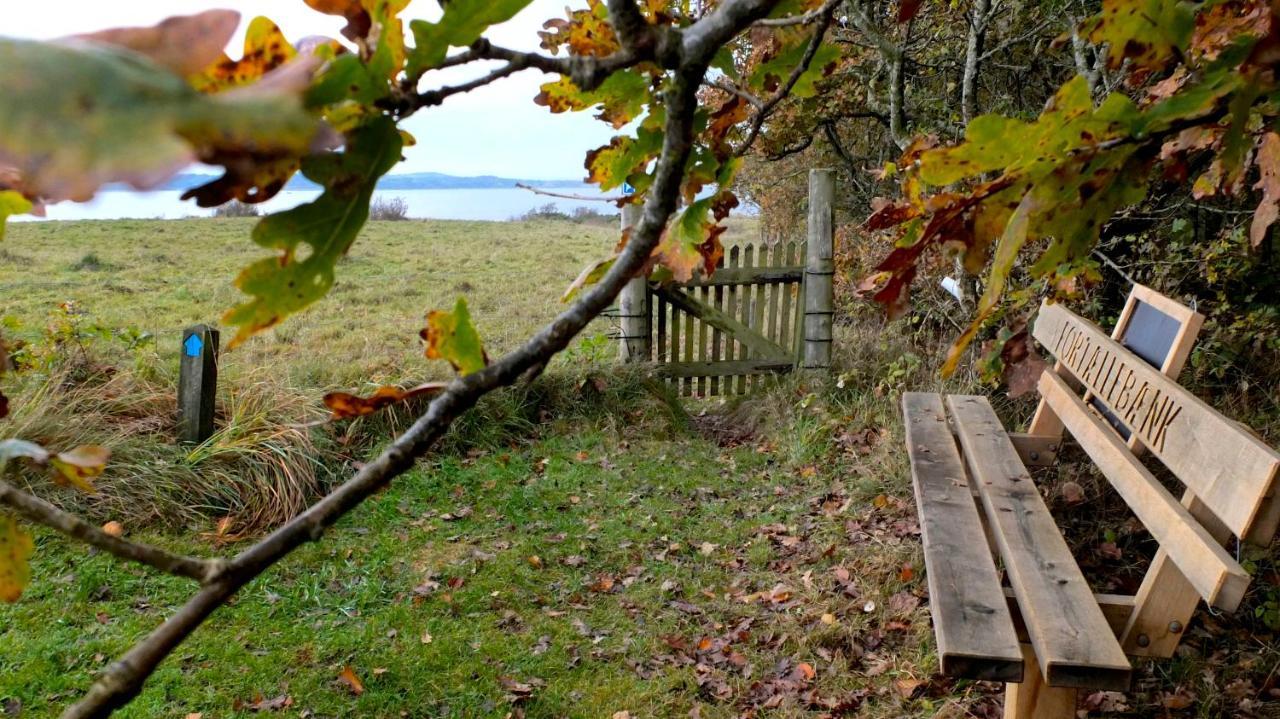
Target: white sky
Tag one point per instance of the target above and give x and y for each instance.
(496, 130)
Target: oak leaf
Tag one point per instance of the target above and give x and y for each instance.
(452, 337)
(16, 548)
(183, 45)
(1268, 161)
(345, 406)
(347, 678)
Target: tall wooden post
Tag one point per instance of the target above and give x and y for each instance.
(819, 269)
(197, 383)
(633, 305)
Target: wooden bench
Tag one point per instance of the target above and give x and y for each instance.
(1047, 634)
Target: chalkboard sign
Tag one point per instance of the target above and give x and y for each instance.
(1150, 334)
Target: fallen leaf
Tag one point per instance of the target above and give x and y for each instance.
(348, 679)
(345, 406)
(1071, 493)
(113, 529)
(906, 688)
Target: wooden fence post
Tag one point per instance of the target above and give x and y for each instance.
(197, 383)
(819, 269)
(633, 305)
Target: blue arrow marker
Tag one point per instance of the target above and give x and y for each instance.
(627, 189)
(193, 344)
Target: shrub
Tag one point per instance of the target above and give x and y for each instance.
(549, 211)
(590, 215)
(393, 209)
(236, 208)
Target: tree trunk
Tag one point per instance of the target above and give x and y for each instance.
(979, 16)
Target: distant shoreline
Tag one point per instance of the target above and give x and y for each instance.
(407, 181)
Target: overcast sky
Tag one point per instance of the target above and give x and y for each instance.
(496, 130)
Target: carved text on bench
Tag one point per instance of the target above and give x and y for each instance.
(1143, 408)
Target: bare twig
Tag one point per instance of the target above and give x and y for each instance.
(570, 195)
(723, 84)
(804, 19)
(697, 44)
(41, 512)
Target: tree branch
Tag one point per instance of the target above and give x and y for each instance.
(41, 512)
(814, 43)
(123, 679)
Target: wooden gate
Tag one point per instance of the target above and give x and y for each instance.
(765, 311)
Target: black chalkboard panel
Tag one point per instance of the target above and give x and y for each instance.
(1150, 335)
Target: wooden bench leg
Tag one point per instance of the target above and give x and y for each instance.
(1033, 699)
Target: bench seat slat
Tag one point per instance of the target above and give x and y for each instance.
(974, 629)
(1073, 642)
(1219, 579)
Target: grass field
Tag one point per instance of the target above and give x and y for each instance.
(160, 276)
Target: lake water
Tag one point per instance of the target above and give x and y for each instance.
(472, 204)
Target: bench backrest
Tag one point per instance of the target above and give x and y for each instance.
(1133, 402)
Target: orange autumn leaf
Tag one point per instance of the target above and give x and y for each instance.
(352, 682)
(345, 406)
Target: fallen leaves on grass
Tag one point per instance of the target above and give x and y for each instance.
(264, 704)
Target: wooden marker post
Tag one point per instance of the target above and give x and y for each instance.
(819, 269)
(197, 383)
(633, 305)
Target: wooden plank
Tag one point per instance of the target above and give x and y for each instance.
(725, 276)
(688, 351)
(1166, 599)
(676, 317)
(1073, 642)
(703, 294)
(731, 310)
(1036, 450)
(717, 336)
(759, 302)
(724, 368)
(1218, 578)
(1034, 699)
(774, 289)
(971, 621)
(785, 335)
(1116, 609)
(662, 311)
(1225, 465)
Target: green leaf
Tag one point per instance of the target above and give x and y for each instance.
(621, 97)
(463, 23)
(76, 116)
(615, 163)
(12, 203)
(1147, 33)
(451, 336)
(283, 285)
(780, 67)
(16, 549)
(590, 275)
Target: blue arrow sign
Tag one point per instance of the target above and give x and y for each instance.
(627, 189)
(193, 344)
